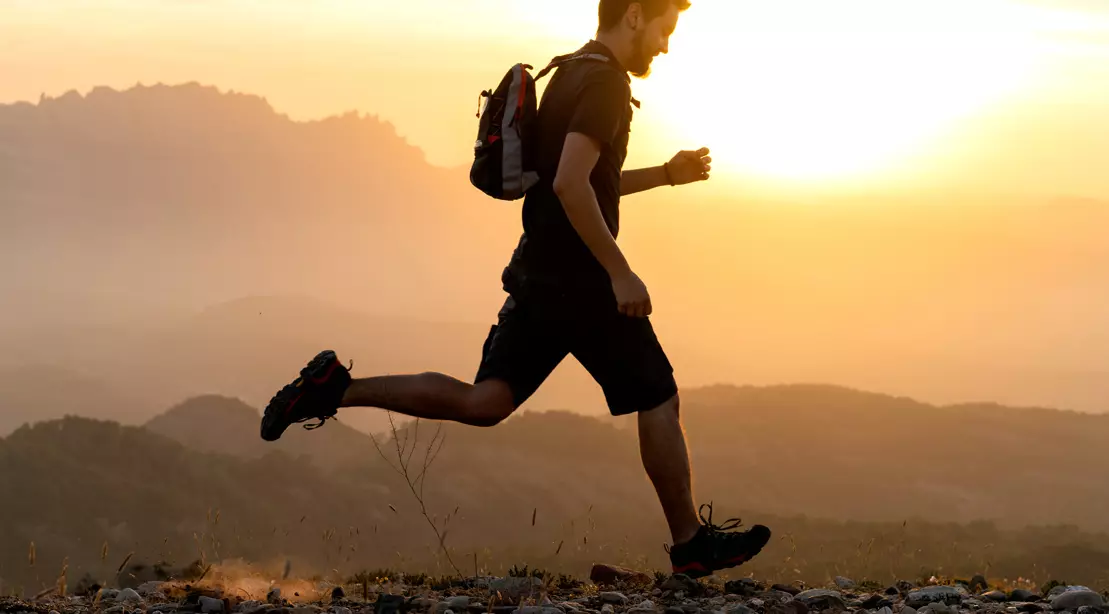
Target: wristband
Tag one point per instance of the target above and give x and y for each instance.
(666, 169)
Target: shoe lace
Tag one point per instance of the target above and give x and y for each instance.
(728, 527)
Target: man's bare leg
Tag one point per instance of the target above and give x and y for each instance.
(662, 446)
(433, 396)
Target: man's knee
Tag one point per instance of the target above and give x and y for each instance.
(490, 403)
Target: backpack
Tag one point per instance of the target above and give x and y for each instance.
(504, 164)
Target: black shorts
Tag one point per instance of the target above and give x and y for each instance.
(620, 352)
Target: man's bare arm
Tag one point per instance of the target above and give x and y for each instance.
(571, 184)
(642, 179)
(685, 167)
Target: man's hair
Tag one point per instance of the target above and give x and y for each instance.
(611, 11)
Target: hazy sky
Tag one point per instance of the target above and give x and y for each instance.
(983, 93)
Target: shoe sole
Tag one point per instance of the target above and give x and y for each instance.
(317, 370)
(695, 570)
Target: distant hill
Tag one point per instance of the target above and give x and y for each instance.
(819, 450)
(917, 486)
(38, 392)
(138, 222)
(223, 425)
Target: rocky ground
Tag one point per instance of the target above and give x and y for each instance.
(610, 590)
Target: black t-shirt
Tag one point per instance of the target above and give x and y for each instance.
(551, 260)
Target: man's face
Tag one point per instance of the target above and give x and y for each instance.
(652, 39)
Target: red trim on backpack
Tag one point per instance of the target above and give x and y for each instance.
(523, 91)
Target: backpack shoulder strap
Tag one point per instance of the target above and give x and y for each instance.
(570, 57)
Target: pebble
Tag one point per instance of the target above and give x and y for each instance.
(821, 598)
(342, 611)
(274, 596)
(460, 602)
(210, 606)
(739, 608)
(614, 597)
(607, 609)
(1022, 594)
(995, 596)
(1072, 600)
(515, 588)
(845, 583)
(946, 594)
(128, 595)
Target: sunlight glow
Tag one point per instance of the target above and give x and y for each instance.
(809, 90)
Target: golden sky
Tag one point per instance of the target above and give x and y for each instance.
(983, 94)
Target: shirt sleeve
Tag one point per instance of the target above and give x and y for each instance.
(602, 103)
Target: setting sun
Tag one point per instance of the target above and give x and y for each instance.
(800, 91)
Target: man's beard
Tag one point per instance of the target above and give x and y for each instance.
(641, 64)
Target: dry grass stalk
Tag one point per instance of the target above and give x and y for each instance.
(403, 467)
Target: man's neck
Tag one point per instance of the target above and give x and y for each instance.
(619, 48)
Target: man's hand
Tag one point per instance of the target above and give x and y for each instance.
(631, 295)
(689, 166)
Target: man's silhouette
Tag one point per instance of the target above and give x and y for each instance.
(570, 291)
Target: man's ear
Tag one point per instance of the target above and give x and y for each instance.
(634, 16)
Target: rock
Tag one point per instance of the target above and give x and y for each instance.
(611, 574)
(893, 590)
(389, 604)
(1091, 609)
(743, 586)
(934, 594)
(208, 605)
(515, 588)
(274, 596)
(997, 596)
(885, 610)
(248, 606)
(1031, 607)
(785, 588)
(343, 611)
(614, 597)
(821, 599)
(739, 608)
(776, 595)
(795, 607)
(539, 609)
(147, 588)
(128, 595)
(674, 610)
(644, 606)
(1056, 591)
(338, 593)
(870, 602)
(607, 609)
(1022, 594)
(108, 594)
(845, 583)
(681, 582)
(937, 607)
(978, 583)
(904, 586)
(908, 610)
(460, 602)
(1074, 599)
